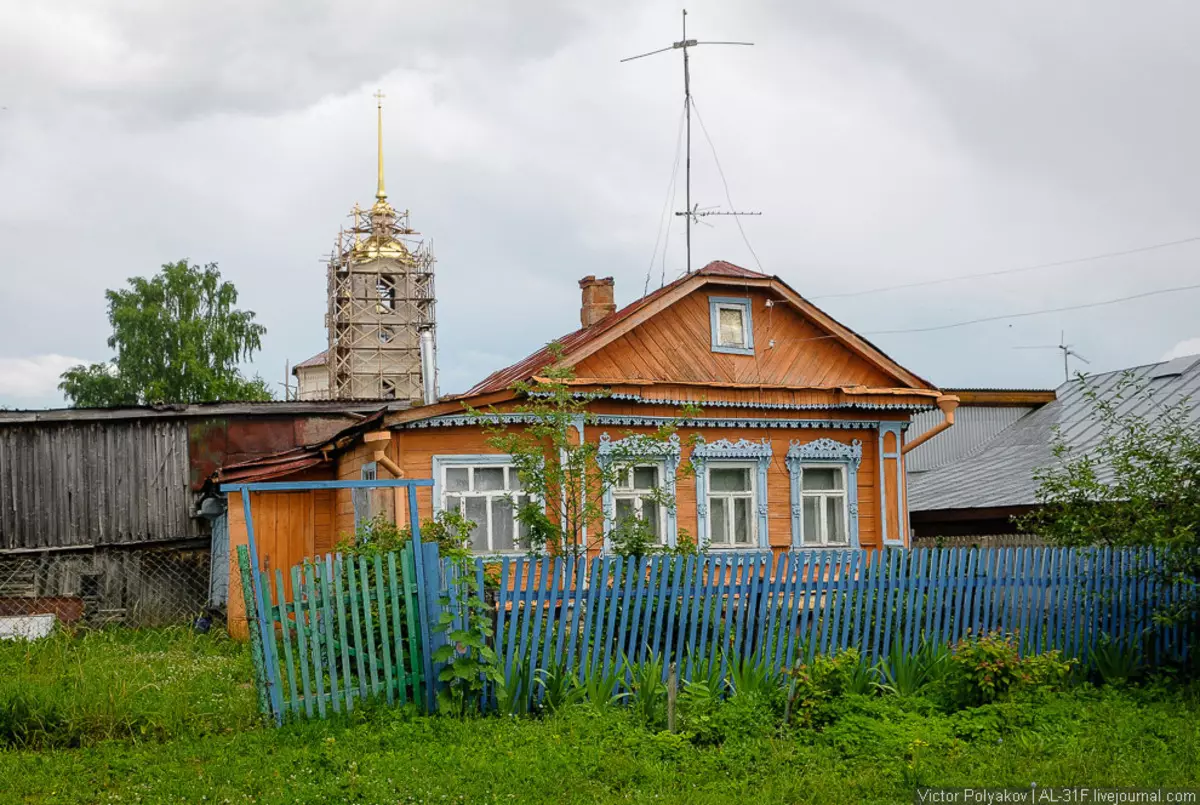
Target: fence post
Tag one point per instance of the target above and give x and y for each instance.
(427, 598)
(252, 618)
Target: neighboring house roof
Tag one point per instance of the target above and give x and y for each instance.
(973, 426)
(319, 359)
(586, 340)
(267, 408)
(1000, 472)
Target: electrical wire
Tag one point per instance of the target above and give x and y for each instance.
(1028, 313)
(728, 200)
(662, 218)
(1019, 269)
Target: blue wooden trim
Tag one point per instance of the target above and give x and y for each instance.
(268, 640)
(299, 486)
(743, 451)
(897, 428)
(714, 323)
(641, 449)
(832, 453)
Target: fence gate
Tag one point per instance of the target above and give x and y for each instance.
(337, 630)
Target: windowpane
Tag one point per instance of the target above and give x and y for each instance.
(729, 480)
(522, 528)
(502, 524)
(624, 509)
(821, 478)
(624, 478)
(453, 503)
(812, 520)
(645, 477)
(835, 519)
(741, 521)
(731, 327)
(476, 510)
(489, 479)
(650, 515)
(457, 479)
(716, 518)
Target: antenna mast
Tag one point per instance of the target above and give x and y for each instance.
(1068, 352)
(690, 214)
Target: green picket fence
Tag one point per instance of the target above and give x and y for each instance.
(346, 629)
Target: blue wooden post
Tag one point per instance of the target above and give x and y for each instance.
(268, 640)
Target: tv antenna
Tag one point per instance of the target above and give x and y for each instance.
(1068, 352)
(691, 213)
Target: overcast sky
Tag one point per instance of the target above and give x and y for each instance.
(883, 142)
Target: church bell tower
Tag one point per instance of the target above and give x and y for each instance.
(381, 322)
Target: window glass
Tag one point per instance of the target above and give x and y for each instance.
(741, 521)
(458, 479)
(625, 509)
(489, 479)
(812, 521)
(718, 520)
(835, 522)
(819, 478)
(731, 326)
(650, 515)
(645, 477)
(502, 524)
(729, 480)
(475, 508)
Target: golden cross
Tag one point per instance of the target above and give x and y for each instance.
(379, 96)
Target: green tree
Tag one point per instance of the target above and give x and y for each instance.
(563, 480)
(1139, 486)
(178, 339)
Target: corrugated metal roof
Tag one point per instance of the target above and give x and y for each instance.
(1000, 471)
(973, 425)
(205, 410)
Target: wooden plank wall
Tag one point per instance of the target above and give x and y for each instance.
(94, 483)
(676, 344)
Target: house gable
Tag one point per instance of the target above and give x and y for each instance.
(786, 347)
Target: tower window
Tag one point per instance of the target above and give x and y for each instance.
(388, 389)
(386, 334)
(385, 286)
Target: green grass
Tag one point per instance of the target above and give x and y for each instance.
(204, 745)
(70, 690)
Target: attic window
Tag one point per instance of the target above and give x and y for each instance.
(732, 325)
(385, 286)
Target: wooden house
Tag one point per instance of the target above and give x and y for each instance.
(799, 441)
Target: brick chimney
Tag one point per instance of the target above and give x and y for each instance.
(597, 299)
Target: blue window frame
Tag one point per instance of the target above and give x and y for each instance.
(731, 491)
(824, 506)
(636, 451)
(732, 325)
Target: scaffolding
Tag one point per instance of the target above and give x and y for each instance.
(381, 298)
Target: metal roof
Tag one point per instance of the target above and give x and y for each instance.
(973, 425)
(204, 410)
(1000, 471)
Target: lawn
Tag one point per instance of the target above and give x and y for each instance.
(167, 717)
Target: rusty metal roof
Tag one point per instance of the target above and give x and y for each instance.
(319, 359)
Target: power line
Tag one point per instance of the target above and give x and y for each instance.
(721, 172)
(1001, 272)
(662, 218)
(1028, 313)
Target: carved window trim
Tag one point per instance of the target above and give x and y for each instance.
(827, 452)
(705, 454)
(639, 449)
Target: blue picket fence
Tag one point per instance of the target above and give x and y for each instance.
(579, 616)
(591, 615)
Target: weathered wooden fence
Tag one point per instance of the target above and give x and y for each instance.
(339, 630)
(348, 629)
(586, 615)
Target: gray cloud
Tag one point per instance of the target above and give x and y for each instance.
(882, 144)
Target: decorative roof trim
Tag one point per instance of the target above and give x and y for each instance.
(638, 398)
(627, 420)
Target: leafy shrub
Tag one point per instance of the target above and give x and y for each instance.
(985, 668)
(648, 694)
(1116, 661)
(906, 674)
(817, 681)
(379, 535)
